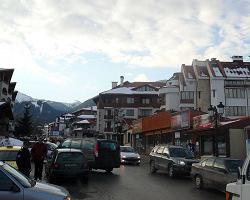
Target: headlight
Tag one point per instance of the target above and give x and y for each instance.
(139, 157)
(181, 162)
(123, 156)
(67, 198)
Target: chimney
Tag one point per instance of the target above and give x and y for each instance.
(114, 84)
(121, 80)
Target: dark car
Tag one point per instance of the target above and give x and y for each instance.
(176, 160)
(67, 163)
(215, 172)
(100, 153)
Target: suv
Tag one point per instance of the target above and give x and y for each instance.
(173, 159)
(100, 153)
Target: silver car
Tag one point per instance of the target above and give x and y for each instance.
(129, 155)
(16, 186)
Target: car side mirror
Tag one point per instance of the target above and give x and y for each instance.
(15, 188)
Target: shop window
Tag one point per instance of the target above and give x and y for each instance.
(208, 145)
(221, 145)
(236, 111)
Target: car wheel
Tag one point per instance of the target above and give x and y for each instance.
(171, 171)
(152, 167)
(198, 182)
(109, 170)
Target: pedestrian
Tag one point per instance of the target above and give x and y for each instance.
(39, 153)
(23, 160)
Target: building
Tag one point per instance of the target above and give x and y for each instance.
(129, 101)
(7, 100)
(210, 82)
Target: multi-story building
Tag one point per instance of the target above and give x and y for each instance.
(126, 102)
(7, 100)
(210, 82)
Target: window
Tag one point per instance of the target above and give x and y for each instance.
(160, 150)
(145, 101)
(207, 145)
(209, 162)
(108, 125)
(145, 88)
(219, 164)
(187, 95)
(235, 92)
(155, 149)
(5, 182)
(199, 94)
(8, 155)
(130, 112)
(130, 100)
(66, 144)
(234, 82)
(76, 144)
(110, 146)
(166, 151)
(116, 100)
(214, 93)
(145, 112)
(236, 111)
(108, 112)
(221, 145)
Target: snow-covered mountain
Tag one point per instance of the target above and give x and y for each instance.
(42, 110)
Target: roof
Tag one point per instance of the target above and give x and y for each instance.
(188, 71)
(86, 117)
(83, 122)
(10, 148)
(202, 71)
(78, 129)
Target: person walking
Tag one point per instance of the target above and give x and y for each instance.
(39, 153)
(23, 160)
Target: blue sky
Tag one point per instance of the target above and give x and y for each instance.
(72, 50)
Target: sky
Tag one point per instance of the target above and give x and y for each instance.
(67, 50)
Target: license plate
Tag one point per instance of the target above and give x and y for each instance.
(70, 165)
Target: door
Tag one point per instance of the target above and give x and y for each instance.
(165, 159)
(207, 171)
(158, 157)
(220, 176)
(6, 188)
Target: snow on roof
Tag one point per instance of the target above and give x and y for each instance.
(229, 122)
(68, 115)
(35, 104)
(237, 72)
(83, 122)
(86, 117)
(217, 72)
(128, 90)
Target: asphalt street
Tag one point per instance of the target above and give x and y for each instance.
(136, 183)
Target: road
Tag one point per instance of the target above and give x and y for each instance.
(135, 183)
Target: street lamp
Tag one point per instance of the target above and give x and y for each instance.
(215, 114)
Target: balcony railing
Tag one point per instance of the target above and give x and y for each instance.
(108, 116)
(187, 100)
(108, 130)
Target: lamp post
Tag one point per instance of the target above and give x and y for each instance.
(215, 114)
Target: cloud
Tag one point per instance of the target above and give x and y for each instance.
(143, 33)
(141, 78)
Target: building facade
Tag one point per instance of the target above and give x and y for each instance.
(125, 103)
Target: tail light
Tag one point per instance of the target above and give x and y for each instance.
(96, 150)
(55, 166)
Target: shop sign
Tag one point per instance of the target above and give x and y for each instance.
(202, 121)
(181, 120)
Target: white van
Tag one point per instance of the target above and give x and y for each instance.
(240, 190)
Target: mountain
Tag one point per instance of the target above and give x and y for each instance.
(43, 111)
(85, 104)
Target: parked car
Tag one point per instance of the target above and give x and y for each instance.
(215, 172)
(8, 154)
(67, 163)
(100, 153)
(176, 160)
(129, 155)
(50, 147)
(14, 185)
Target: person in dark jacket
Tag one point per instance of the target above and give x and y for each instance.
(39, 153)
(23, 160)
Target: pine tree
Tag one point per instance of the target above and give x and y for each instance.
(24, 126)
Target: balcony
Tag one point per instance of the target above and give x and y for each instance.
(187, 101)
(108, 116)
(110, 130)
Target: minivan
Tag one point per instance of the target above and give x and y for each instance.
(101, 153)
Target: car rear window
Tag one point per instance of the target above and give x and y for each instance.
(76, 144)
(180, 153)
(232, 165)
(112, 146)
(127, 149)
(70, 157)
(8, 155)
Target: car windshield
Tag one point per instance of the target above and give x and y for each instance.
(180, 153)
(233, 165)
(8, 155)
(127, 149)
(22, 179)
